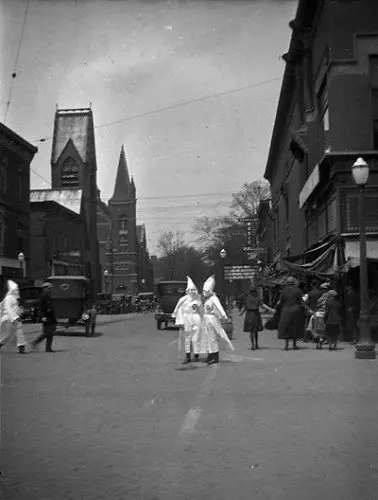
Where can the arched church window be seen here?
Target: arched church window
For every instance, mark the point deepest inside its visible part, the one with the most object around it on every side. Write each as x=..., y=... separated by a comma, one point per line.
x=70, y=173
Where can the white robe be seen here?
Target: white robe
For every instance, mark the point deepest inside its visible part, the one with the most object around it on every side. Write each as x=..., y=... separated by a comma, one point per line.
x=9, y=323
x=188, y=316
x=214, y=312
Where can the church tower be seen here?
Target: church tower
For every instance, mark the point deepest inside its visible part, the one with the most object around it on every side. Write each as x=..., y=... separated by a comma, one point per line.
x=122, y=205
x=74, y=167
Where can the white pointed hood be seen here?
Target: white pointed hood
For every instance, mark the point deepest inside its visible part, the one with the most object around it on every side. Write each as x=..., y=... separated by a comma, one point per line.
x=12, y=287
x=190, y=285
x=209, y=284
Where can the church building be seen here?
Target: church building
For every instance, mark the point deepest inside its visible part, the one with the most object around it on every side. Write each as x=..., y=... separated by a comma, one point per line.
x=119, y=248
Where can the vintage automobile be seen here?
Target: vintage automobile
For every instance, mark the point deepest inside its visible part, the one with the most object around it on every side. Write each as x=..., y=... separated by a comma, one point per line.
x=29, y=301
x=104, y=303
x=71, y=302
x=168, y=293
x=145, y=301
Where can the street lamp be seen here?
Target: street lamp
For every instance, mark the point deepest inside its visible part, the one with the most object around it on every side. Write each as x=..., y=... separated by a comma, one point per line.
x=21, y=260
x=365, y=349
x=106, y=274
x=223, y=255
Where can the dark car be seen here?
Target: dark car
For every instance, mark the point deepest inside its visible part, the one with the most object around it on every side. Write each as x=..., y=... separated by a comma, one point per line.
x=29, y=301
x=168, y=294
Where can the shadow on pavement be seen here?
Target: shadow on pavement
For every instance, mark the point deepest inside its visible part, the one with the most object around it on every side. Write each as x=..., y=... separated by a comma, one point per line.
x=73, y=333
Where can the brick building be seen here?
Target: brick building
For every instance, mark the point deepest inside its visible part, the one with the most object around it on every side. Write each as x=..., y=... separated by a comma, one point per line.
x=57, y=229
x=74, y=167
x=327, y=117
x=16, y=155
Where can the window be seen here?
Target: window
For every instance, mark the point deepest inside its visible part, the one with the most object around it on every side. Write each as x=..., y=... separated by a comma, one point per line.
x=322, y=224
x=324, y=111
x=350, y=211
x=121, y=266
x=123, y=223
x=332, y=216
x=123, y=243
x=70, y=173
x=312, y=234
x=3, y=175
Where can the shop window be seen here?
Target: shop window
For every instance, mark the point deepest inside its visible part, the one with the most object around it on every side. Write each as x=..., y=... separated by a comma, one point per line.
x=70, y=173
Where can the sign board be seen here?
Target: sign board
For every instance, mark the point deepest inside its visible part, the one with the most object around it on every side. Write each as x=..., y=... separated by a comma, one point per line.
x=309, y=187
x=240, y=272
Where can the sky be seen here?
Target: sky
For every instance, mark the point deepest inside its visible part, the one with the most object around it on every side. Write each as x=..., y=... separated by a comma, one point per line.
x=189, y=87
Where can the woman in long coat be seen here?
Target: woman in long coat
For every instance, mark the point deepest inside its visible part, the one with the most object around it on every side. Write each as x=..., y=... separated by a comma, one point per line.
x=292, y=317
x=332, y=319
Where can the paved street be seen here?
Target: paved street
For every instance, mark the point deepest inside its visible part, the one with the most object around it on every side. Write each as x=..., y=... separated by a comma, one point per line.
x=119, y=417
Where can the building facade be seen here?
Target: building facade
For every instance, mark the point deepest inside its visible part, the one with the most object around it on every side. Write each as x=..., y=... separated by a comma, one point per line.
x=74, y=166
x=16, y=155
x=327, y=117
x=145, y=269
x=57, y=236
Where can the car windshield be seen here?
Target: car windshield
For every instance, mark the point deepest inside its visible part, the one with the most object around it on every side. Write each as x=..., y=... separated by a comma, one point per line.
x=174, y=289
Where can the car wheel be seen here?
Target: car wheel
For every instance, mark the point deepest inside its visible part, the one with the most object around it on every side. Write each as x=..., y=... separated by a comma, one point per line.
x=158, y=324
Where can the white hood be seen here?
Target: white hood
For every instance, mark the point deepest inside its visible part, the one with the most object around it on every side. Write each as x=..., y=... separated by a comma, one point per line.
x=209, y=284
x=191, y=285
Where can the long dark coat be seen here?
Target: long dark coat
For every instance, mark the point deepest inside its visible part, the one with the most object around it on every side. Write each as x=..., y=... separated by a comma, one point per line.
x=292, y=318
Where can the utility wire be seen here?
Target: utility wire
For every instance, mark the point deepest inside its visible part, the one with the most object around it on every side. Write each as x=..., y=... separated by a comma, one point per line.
x=14, y=74
x=174, y=106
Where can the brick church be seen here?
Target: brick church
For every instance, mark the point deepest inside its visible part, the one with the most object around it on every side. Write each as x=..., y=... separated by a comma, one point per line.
x=109, y=252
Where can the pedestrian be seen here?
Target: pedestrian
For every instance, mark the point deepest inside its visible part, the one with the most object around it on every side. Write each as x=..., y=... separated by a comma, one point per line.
x=292, y=317
x=252, y=321
x=213, y=314
x=332, y=319
x=48, y=318
x=188, y=316
x=10, y=318
x=312, y=298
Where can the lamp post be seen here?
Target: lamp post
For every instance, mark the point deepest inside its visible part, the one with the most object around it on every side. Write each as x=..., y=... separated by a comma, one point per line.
x=21, y=260
x=106, y=274
x=223, y=255
x=365, y=349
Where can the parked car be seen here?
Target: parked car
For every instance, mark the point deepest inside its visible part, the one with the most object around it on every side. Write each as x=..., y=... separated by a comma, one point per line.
x=29, y=301
x=145, y=301
x=104, y=303
x=71, y=302
x=168, y=293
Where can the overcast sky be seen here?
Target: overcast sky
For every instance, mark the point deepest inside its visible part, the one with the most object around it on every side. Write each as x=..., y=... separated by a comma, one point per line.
x=134, y=57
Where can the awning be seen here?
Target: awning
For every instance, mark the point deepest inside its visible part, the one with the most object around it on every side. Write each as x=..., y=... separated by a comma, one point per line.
x=352, y=252
x=326, y=264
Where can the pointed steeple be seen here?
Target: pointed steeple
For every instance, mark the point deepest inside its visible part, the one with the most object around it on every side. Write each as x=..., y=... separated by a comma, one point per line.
x=123, y=189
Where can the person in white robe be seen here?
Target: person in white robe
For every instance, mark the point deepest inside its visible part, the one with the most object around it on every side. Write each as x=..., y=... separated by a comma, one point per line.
x=213, y=314
x=10, y=318
x=188, y=316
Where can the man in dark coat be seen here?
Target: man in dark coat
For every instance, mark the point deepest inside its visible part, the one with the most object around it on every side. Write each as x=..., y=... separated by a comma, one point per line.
x=292, y=318
x=48, y=318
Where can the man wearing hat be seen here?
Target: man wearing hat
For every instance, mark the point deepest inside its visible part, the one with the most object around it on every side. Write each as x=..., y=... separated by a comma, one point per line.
x=48, y=318
x=292, y=318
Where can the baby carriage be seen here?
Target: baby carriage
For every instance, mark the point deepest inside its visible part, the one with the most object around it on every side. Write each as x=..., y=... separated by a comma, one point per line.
x=318, y=329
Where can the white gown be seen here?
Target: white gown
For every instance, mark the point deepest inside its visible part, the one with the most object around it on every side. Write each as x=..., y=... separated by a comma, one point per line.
x=9, y=325
x=214, y=312
x=188, y=316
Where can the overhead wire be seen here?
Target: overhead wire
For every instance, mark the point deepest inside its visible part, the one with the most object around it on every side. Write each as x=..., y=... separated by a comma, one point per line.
x=173, y=106
x=15, y=67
